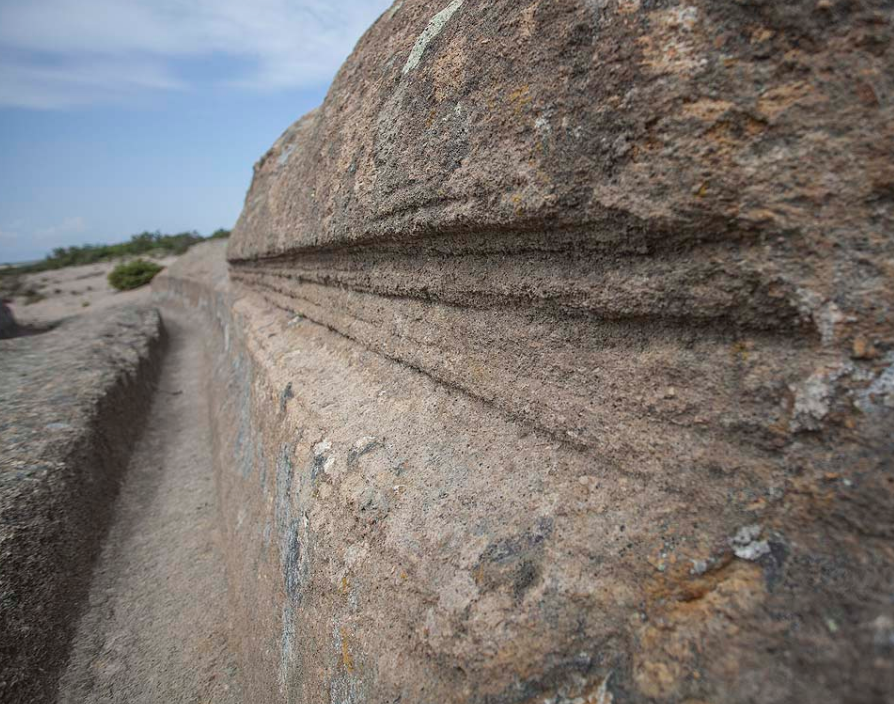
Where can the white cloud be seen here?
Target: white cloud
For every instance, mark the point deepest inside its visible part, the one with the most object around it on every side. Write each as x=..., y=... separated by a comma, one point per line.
x=101, y=50
x=80, y=82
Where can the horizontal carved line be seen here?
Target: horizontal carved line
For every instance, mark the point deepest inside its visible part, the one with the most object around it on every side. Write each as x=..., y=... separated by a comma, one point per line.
x=579, y=380
x=673, y=287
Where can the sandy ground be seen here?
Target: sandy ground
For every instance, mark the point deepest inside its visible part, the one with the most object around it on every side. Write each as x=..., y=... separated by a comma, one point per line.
x=72, y=291
x=155, y=628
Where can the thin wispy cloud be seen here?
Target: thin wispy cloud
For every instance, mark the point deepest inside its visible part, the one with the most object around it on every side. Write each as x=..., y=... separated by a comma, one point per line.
x=80, y=82
x=75, y=225
x=68, y=53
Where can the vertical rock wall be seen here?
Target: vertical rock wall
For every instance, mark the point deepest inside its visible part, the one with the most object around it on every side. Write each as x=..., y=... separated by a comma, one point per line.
x=558, y=360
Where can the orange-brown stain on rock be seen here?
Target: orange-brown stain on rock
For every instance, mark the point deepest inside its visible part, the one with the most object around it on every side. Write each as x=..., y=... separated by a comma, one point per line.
x=707, y=109
x=347, y=660
x=776, y=101
x=687, y=614
x=734, y=132
x=520, y=99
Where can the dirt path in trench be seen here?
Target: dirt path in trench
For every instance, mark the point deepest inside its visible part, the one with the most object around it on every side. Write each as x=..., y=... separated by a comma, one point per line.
x=155, y=628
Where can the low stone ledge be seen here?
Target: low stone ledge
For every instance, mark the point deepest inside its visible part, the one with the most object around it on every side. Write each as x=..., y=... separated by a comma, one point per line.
x=72, y=401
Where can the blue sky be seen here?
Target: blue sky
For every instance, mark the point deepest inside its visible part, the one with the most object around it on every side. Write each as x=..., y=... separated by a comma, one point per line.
x=118, y=116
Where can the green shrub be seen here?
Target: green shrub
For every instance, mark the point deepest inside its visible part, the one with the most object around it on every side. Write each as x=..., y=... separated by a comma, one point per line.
x=133, y=274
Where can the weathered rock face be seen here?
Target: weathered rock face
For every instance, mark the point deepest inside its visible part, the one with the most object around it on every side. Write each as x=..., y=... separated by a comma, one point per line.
x=631, y=263
x=707, y=119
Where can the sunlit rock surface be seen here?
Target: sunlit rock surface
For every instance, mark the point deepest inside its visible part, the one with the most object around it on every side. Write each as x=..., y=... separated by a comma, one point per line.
x=554, y=361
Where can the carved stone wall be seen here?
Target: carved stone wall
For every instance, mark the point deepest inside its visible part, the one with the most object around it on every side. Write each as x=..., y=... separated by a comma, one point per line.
x=565, y=360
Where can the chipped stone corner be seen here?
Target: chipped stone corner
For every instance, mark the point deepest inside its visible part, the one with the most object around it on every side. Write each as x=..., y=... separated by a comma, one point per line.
x=746, y=544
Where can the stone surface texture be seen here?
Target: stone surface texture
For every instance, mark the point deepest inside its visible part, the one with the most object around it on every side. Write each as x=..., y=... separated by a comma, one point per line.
x=71, y=404
x=556, y=361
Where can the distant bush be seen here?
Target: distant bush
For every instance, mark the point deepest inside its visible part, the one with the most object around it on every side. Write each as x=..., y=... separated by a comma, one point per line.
x=133, y=274
x=220, y=234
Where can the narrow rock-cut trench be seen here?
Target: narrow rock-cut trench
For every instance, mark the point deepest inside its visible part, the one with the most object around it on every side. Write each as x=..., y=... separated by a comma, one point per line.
x=155, y=627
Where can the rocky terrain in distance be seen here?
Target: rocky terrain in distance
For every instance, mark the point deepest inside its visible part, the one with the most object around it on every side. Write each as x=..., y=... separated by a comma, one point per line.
x=47, y=297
